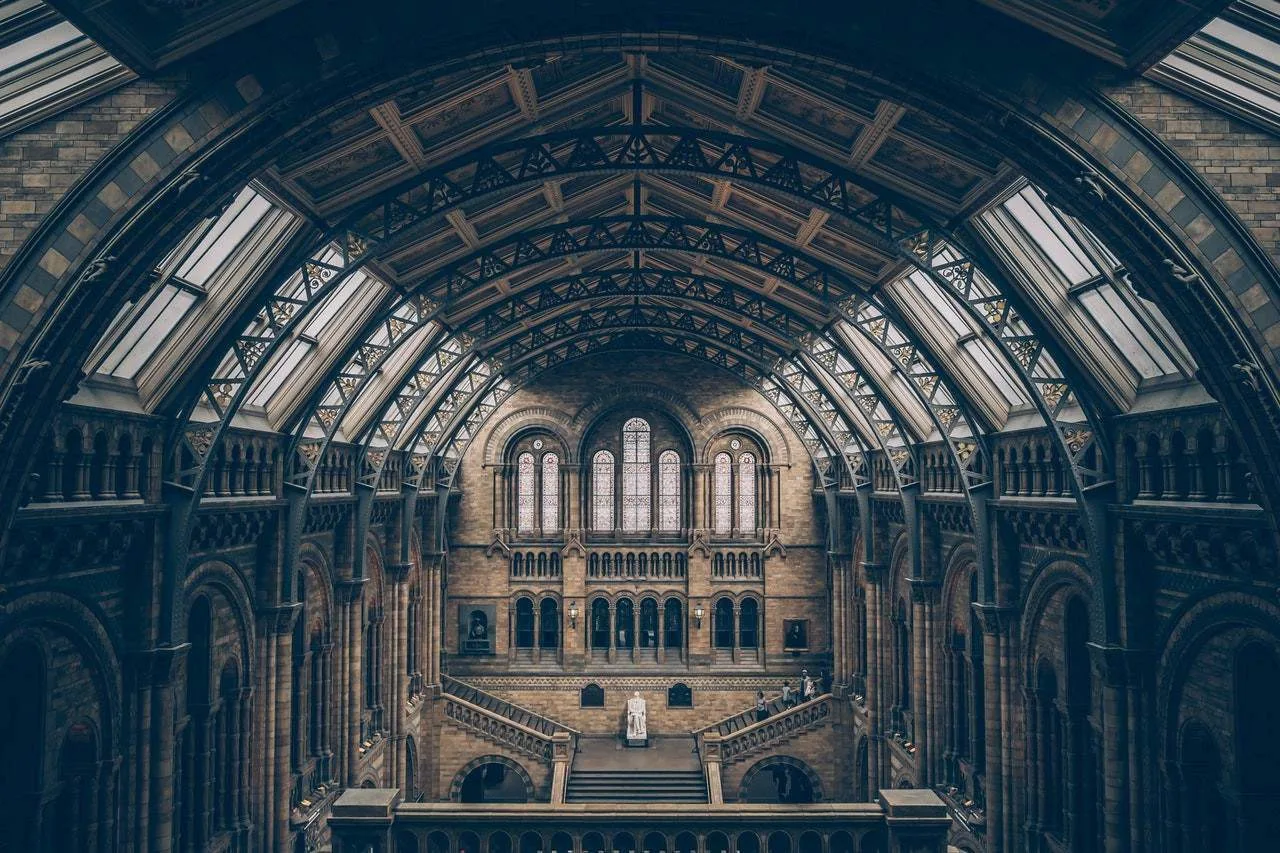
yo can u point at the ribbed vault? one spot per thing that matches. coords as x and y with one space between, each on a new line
833 247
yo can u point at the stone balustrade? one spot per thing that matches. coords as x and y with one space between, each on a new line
376 819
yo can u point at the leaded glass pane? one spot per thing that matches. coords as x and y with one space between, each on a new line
747 492
669 491
636 496
550 493
602 491
724 493
526 488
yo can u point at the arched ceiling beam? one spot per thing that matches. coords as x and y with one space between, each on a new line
445 438
389 222
390 218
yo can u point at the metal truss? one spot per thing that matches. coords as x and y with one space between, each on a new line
819 424
396 218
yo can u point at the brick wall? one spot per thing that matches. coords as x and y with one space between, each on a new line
39 164
1235 158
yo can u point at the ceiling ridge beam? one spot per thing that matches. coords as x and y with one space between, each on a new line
523 91
750 92
888 114
404 140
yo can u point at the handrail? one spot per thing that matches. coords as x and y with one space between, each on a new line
764 733
531 719
725 726
516 736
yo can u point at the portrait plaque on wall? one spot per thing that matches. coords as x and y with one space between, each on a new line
795 635
475 628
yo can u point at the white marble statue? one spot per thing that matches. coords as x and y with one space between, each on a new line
637 724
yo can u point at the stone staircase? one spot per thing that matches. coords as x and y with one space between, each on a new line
740 721
501 708
637 786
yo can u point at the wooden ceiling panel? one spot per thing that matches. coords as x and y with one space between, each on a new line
796 108
366 165
441 127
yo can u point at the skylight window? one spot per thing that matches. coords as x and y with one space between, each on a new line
1233 63
1076 279
211 261
50 69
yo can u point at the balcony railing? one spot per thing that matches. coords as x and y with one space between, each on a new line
375 819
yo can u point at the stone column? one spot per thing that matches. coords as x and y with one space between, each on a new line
994 628
351 606
875 687
922 595
398 577
277 682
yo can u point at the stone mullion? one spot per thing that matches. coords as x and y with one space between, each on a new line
613 633
53 488
433 622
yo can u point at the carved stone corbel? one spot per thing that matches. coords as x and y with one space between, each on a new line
773 544
498 543
698 542
573 543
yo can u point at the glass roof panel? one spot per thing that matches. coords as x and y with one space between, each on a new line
1081 287
1233 63
216 259
47 65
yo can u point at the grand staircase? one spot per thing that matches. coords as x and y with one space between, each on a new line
636 786
666 771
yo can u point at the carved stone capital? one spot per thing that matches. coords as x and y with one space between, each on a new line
995 618
161 666
1119 666
399 572
350 590
279 619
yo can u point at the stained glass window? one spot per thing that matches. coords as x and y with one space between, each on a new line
636 496
669 491
747 492
526 489
724 493
550 493
602 491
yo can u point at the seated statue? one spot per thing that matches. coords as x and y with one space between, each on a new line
637 724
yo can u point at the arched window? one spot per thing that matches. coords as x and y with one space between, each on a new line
669 491
524 623
549 624
636 496
673 623
526 490
624 617
599 624
602 491
550 493
649 623
747 493
724 494
724 624
749 624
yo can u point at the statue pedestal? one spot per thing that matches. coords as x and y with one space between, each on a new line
637 741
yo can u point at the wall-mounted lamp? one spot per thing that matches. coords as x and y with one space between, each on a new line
573 614
698 613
